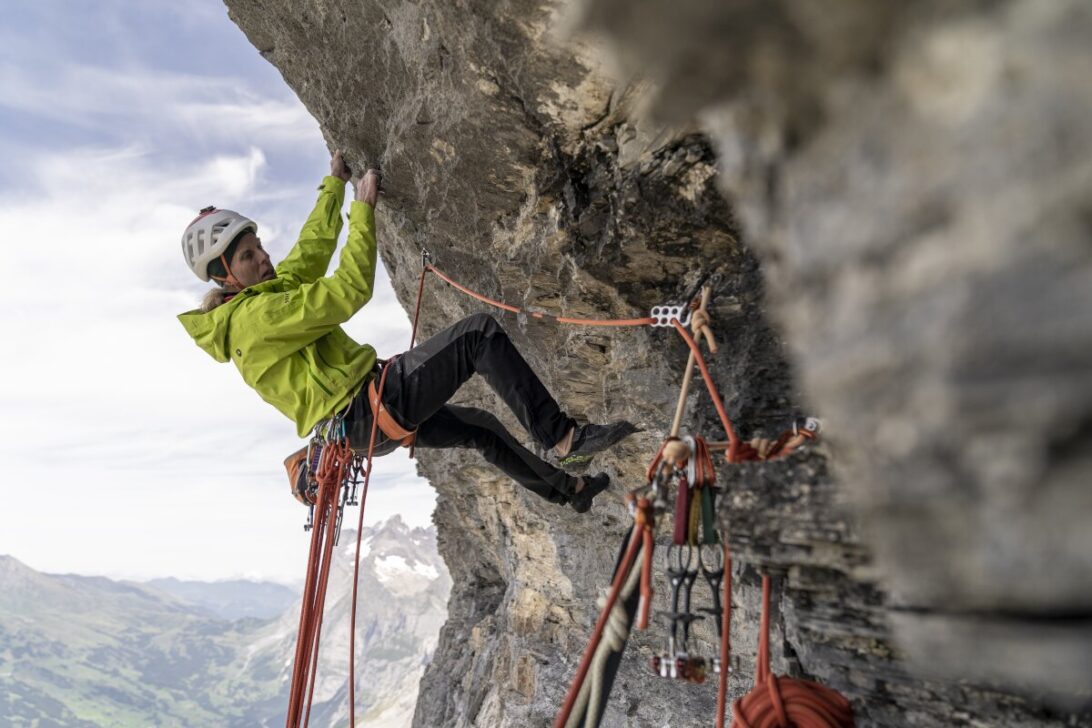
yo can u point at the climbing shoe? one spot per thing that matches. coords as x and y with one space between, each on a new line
558 498
593 486
590 439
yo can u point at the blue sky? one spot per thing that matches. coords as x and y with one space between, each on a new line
127 450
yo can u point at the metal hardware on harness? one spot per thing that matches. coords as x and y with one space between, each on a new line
681 666
691 468
677 663
356 477
714 577
326 433
667 313
812 424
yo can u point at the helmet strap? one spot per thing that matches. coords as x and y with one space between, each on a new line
230 279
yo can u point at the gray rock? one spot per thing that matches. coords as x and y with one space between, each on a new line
914 178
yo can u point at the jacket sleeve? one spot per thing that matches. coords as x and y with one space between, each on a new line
310 257
303 314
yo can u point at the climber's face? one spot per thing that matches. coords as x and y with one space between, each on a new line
251 264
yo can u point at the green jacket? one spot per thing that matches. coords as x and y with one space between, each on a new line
284 335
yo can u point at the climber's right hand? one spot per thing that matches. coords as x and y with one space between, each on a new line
367 187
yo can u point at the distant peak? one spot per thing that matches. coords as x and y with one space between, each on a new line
11 563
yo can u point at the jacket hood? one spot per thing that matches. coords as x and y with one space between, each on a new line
210 330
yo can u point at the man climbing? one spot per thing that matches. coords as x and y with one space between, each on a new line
282 329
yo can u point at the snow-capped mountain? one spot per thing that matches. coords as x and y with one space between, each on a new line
88 651
403 594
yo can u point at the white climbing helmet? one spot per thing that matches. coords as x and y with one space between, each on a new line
209 235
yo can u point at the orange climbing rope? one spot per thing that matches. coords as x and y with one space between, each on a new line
737 450
806 699
644 520
646 321
334 468
356 562
725 642
781 702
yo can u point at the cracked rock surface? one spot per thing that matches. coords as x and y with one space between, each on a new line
895 201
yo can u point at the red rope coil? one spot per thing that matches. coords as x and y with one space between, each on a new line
785 702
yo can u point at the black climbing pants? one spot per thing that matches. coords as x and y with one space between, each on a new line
423 379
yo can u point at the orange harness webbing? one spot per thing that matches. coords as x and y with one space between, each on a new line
382 416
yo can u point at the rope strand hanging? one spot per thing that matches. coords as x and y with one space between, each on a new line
334 476
785 702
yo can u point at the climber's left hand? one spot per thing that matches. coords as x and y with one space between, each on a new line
338 167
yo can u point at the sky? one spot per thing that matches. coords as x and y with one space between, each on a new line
126 450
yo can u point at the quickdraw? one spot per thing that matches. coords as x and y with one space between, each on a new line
694 550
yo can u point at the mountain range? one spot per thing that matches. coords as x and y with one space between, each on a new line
87 652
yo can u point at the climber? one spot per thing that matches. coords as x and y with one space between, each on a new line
281 328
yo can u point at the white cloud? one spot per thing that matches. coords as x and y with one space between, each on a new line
155 459
198 110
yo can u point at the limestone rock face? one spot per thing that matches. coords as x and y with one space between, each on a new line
916 178
913 183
